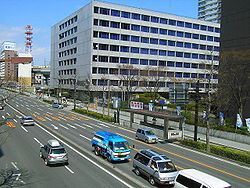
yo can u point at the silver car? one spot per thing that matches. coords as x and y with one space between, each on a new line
158 168
146 135
54 153
26 120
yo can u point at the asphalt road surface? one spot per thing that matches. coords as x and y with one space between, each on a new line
21 149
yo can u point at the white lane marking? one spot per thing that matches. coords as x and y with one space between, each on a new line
79 126
8 114
125 136
103 125
15 120
96 126
48 118
69 169
63 126
87 126
62 118
24 129
18 116
39 109
27 108
55 127
3 117
71 126
36 113
17 105
235 164
85 137
90 160
14 164
38 140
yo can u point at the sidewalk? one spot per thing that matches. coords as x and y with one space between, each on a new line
202 137
218 141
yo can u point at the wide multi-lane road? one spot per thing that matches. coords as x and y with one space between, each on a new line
21 149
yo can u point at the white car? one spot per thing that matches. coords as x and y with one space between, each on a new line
26 120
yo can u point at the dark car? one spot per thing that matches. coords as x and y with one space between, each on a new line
57 105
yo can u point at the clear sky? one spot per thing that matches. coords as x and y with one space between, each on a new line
42 14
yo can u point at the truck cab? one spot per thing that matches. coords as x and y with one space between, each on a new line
111 146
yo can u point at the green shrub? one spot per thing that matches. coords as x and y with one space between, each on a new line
95 115
47 101
220 150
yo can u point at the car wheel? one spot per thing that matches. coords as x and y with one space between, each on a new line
67 163
41 155
97 151
137 172
147 141
151 180
46 162
109 158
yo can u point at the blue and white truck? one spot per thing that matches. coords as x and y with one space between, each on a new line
111 146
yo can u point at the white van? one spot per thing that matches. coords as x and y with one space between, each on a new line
191 178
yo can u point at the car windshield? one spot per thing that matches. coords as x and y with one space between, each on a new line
58 151
166 167
120 145
149 132
28 118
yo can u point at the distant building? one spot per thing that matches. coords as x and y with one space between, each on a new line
24 71
112 44
15 67
234 69
40 76
8 70
209 10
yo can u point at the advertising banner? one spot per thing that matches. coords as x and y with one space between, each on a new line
221 118
239 121
248 124
136 105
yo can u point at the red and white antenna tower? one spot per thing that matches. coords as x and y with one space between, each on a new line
28 38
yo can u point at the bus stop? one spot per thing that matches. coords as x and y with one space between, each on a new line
168 133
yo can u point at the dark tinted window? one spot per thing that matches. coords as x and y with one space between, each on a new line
187 182
141 158
57 151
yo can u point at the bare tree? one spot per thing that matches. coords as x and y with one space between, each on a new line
153 79
129 80
210 88
234 84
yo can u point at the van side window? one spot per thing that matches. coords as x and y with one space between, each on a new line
139 130
153 165
187 182
142 159
111 145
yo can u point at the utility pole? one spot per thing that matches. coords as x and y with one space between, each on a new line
75 82
197 98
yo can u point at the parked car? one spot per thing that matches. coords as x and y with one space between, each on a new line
146 135
57 105
26 120
54 153
195 178
158 168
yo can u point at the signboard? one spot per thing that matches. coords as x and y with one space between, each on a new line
178 93
136 105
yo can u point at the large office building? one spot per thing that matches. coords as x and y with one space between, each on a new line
117 46
209 10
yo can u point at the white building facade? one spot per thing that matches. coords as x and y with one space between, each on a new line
209 10
108 43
